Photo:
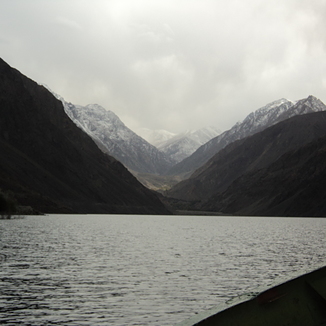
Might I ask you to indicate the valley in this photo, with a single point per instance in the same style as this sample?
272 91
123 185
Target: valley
63 157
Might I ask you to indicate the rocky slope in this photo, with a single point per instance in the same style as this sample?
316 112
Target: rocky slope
50 164
115 138
248 155
256 121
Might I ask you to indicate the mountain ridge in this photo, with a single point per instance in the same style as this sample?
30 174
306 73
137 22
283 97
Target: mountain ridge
184 144
256 121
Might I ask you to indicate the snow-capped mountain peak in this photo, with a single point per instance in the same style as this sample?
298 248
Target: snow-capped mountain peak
184 144
256 121
113 137
155 137
313 103
267 113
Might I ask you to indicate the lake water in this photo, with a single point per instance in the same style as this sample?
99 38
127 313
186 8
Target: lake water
145 270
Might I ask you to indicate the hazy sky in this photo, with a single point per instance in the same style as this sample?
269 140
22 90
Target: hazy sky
170 64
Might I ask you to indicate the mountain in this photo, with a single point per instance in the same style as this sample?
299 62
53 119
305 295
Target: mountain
304 106
50 164
256 121
183 145
248 155
155 137
179 146
113 137
294 185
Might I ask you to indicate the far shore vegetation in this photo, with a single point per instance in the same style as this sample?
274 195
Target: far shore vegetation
9 207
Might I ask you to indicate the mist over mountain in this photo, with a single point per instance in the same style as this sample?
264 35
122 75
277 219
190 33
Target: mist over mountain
184 144
155 137
51 165
262 118
181 145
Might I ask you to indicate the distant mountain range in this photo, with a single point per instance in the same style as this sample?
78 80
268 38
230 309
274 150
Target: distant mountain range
51 165
179 146
155 156
256 121
155 137
184 144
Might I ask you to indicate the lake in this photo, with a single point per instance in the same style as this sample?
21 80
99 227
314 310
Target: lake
145 270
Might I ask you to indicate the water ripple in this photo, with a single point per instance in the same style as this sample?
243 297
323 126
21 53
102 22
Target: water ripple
145 270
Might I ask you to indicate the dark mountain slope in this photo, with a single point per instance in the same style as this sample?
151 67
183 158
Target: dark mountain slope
249 154
294 185
53 166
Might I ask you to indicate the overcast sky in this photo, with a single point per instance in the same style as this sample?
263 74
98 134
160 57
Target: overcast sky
170 64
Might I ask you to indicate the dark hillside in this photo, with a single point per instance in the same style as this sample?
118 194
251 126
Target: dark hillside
294 185
53 166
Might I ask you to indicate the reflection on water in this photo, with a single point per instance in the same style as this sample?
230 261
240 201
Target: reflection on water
144 270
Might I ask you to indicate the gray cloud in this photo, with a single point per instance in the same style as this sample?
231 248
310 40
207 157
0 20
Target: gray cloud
169 64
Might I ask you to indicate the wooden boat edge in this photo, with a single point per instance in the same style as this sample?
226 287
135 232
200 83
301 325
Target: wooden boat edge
309 289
